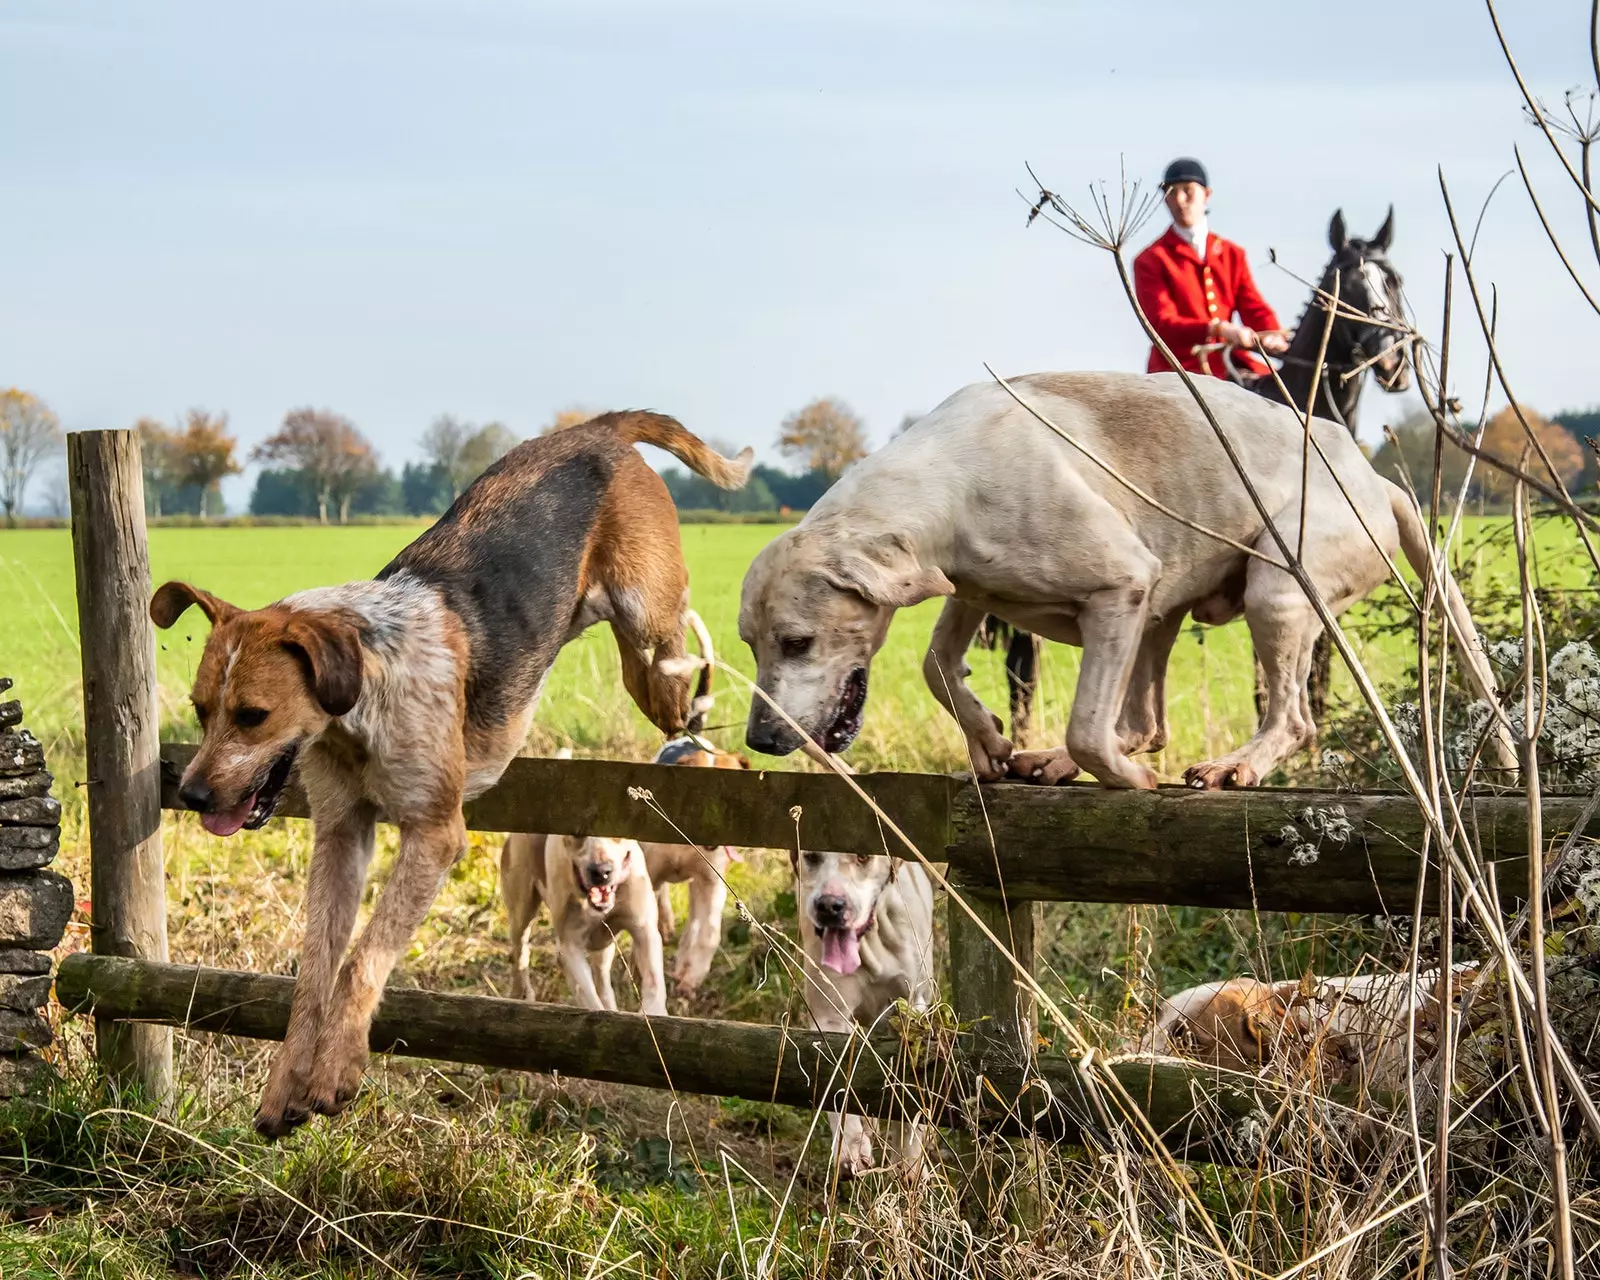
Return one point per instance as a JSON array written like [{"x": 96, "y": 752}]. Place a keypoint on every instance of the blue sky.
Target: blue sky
[{"x": 718, "y": 210}]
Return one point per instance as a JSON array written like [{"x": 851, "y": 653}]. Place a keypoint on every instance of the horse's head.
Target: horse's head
[{"x": 1368, "y": 284}]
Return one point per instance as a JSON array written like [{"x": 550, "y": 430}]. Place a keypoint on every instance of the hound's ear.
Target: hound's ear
[
  {"x": 1337, "y": 236},
  {"x": 894, "y": 869},
  {"x": 1385, "y": 236},
  {"x": 172, "y": 598},
  {"x": 886, "y": 572},
  {"x": 329, "y": 647}
]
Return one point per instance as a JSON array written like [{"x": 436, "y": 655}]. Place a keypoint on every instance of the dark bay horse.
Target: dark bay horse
[{"x": 1363, "y": 336}]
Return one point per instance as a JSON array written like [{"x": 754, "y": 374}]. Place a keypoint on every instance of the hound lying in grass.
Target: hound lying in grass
[
  {"x": 409, "y": 693},
  {"x": 866, "y": 930},
  {"x": 1355, "y": 1029},
  {"x": 984, "y": 505},
  {"x": 595, "y": 888}
]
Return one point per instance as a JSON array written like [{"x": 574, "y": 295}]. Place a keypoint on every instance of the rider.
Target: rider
[{"x": 1190, "y": 284}]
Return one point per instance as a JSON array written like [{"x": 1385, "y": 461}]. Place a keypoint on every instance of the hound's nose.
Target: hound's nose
[
  {"x": 600, "y": 873},
  {"x": 830, "y": 910},
  {"x": 197, "y": 794}
]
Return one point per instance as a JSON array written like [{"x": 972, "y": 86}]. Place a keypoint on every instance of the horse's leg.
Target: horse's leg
[{"x": 1022, "y": 679}]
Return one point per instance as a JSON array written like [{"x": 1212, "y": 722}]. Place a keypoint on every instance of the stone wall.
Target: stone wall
[{"x": 35, "y": 902}]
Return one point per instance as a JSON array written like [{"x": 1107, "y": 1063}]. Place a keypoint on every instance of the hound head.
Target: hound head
[
  {"x": 270, "y": 681},
  {"x": 837, "y": 895},
  {"x": 815, "y": 610},
  {"x": 601, "y": 865}
]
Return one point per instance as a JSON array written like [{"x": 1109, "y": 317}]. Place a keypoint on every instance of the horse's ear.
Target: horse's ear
[
  {"x": 1337, "y": 237},
  {"x": 1385, "y": 235}
]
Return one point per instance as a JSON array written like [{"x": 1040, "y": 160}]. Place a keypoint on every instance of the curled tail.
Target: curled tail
[
  {"x": 640, "y": 426},
  {"x": 1419, "y": 553}
]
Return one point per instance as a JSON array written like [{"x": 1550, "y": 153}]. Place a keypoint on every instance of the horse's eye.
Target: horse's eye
[
  {"x": 250, "y": 717},
  {"x": 795, "y": 646}
]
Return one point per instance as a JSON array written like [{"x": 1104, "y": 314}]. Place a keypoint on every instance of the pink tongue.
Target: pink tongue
[
  {"x": 230, "y": 820},
  {"x": 841, "y": 950}
]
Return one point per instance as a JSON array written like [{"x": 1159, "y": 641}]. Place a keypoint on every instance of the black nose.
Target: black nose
[
  {"x": 197, "y": 794},
  {"x": 830, "y": 910},
  {"x": 600, "y": 873}
]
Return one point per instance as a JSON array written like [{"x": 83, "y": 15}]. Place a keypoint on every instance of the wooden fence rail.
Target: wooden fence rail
[
  {"x": 1075, "y": 843},
  {"x": 884, "y": 1075}
]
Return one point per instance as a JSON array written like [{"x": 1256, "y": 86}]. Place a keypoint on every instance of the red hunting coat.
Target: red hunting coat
[{"x": 1181, "y": 296}]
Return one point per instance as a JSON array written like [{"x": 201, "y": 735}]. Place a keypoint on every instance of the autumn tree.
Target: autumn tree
[
  {"x": 204, "y": 455},
  {"x": 1505, "y": 438},
  {"x": 825, "y": 435},
  {"x": 29, "y": 433},
  {"x": 326, "y": 446}
]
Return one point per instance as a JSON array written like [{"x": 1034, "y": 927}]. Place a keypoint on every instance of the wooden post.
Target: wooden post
[
  {"x": 986, "y": 995},
  {"x": 127, "y": 882}
]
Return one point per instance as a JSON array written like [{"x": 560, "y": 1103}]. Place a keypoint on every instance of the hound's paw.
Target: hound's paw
[
  {"x": 989, "y": 754},
  {"x": 854, "y": 1154},
  {"x": 336, "y": 1078},
  {"x": 285, "y": 1104},
  {"x": 1216, "y": 774},
  {"x": 1047, "y": 768},
  {"x": 278, "y": 1121}
]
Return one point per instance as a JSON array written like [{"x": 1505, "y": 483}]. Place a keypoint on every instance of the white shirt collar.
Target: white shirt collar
[{"x": 1195, "y": 235}]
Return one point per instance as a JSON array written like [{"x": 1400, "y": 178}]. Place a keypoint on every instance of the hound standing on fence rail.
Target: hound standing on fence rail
[
  {"x": 983, "y": 504},
  {"x": 409, "y": 693}
]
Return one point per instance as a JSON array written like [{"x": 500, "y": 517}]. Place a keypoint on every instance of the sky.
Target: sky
[{"x": 499, "y": 209}]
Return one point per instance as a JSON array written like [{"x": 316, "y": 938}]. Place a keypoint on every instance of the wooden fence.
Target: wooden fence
[{"x": 1007, "y": 847}]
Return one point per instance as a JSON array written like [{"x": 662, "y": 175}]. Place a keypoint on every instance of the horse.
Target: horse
[{"x": 1367, "y": 332}]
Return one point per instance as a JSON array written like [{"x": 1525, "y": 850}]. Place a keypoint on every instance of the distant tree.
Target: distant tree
[
  {"x": 1505, "y": 438},
  {"x": 281, "y": 491},
  {"x": 695, "y": 493},
  {"x": 441, "y": 446},
  {"x": 29, "y": 433},
  {"x": 1414, "y": 457},
  {"x": 424, "y": 490},
  {"x": 564, "y": 418},
  {"x": 484, "y": 447},
  {"x": 798, "y": 493},
  {"x": 57, "y": 495},
  {"x": 157, "y": 447},
  {"x": 1584, "y": 425},
  {"x": 203, "y": 455},
  {"x": 825, "y": 435},
  {"x": 335, "y": 456}
]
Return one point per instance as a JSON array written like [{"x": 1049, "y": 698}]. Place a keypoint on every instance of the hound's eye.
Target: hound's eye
[
  {"x": 795, "y": 646},
  {"x": 201, "y": 714},
  {"x": 812, "y": 859},
  {"x": 250, "y": 717},
  {"x": 863, "y": 858}
]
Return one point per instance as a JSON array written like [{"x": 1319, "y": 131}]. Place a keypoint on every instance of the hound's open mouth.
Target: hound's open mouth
[
  {"x": 841, "y": 948},
  {"x": 259, "y": 801},
  {"x": 847, "y": 719},
  {"x": 601, "y": 897}
]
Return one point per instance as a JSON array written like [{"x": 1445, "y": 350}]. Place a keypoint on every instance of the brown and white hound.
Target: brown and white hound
[{"x": 407, "y": 694}]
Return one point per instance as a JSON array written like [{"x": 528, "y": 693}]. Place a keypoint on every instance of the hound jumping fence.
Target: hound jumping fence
[{"x": 1006, "y": 849}]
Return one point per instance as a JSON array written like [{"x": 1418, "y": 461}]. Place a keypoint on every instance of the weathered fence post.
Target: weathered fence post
[
  {"x": 985, "y": 992},
  {"x": 127, "y": 883}
]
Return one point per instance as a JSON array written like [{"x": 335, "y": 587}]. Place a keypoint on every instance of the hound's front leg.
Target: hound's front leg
[
  {"x": 428, "y": 849},
  {"x": 945, "y": 669},
  {"x": 340, "y": 857}
]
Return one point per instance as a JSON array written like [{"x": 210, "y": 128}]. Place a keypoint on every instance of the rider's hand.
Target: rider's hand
[
  {"x": 1274, "y": 344},
  {"x": 1236, "y": 335}
]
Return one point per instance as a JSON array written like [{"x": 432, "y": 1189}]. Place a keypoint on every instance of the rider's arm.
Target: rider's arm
[
  {"x": 1249, "y": 303},
  {"x": 1180, "y": 332}
]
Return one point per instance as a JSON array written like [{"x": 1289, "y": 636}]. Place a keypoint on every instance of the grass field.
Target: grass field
[{"x": 444, "y": 1171}]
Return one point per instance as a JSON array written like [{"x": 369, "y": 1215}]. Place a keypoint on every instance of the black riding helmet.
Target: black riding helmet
[{"x": 1185, "y": 169}]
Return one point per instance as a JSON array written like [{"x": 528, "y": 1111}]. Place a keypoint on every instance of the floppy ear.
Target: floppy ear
[
  {"x": 886, "y": 572},
  {"x": 1385, "y": 236},
  {"x": 330, "y": 648},
  {"x": 172, "y": 598},
  {"x": 1337, "y": 237}
]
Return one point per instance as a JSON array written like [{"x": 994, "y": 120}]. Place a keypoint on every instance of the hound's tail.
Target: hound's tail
[
  {"x": 700, "y": 708},
  {"x": 1419, "y": 552},
  {"x": 640, "y": 426}
]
